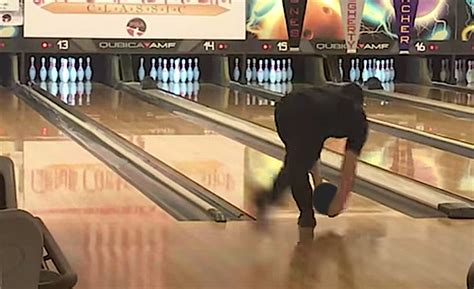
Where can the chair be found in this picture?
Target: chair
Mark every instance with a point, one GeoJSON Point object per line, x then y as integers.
{"type": "Point", "coordinates": [7, 184]}
{"type": "Point", "coordinates": [21, 250]}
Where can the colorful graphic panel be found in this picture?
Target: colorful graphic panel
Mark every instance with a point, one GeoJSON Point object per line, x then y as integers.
{"type": "Point", "coordinates": [434, 20]}
{"type": "Point", "coordinates": [466, 20]}
{"type": "Point", "coordinates": [158, 19]}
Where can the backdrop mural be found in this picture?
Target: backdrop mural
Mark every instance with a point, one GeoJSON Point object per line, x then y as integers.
{"type": "Point", "coordinates": [434, 20]}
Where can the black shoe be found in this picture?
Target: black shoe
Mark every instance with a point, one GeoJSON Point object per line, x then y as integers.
{"type": "Point", "coordinates": [261, 204]}
{"type": "Point", "coordinates": [307, 220]}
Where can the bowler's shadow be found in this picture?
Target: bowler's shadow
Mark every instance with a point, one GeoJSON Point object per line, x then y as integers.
{"type": "Point", "coordinates": [320, 260]}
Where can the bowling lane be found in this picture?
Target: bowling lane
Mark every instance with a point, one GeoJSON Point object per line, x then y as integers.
{"type": "Point", "coordinates": [435, 93]}
{"type": "Point", "coordinates": [403, 114]}
{"type": "Point", "coordinates": [226, 167]}
{"type": "Point", "coordinates": [82, 201]}
{"type": "Point", "coordinates": [419, 162]}
{"type": "Point", "coordinates": [56, 176]}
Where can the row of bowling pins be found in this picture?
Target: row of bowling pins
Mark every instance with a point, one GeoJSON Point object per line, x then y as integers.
{"type": "Point", "coordinates": [269, 70]}
{"type": "Point", "coordinates": [69, 90]}
{"type": "Point", "coordinates": [67, 71]}
{"type": "Point", "coordinates": [382, 69]}
{"type": "Point", "coordinates": [177, 71]}
{"type": "Point", "coordinates": [463, 71]}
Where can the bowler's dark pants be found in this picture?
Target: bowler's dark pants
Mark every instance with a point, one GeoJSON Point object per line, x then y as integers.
{"type": "Point", "coordinates": [303, 146]}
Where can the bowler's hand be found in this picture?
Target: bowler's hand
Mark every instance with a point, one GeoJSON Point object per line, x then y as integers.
{"type": "Point", "coordinates": [337, 204]}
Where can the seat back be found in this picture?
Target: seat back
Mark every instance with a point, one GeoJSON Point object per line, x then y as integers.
{"type": "Point", "coordinates": [8, 198]}
{"type": "Point", "coordinates": [21, 250]}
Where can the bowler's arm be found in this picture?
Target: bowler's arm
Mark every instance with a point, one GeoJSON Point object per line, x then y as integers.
{"type": "Point", "coordinates": [354, 145]}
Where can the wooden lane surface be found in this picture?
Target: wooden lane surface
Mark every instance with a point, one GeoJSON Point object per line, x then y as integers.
{"type": "Point", "coordinates": [224, 166]}
{"type": "Point", "coordinates": [115, 238]}
{"type": "Point", "coordinates": [419, 162]}
{"type": "Point", "coordinates": [436, 93]}
{"type": "Point", "coordinates": [347, 252]}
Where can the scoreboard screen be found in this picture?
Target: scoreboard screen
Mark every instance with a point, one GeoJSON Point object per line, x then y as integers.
{"type": "Point", "coordinates": [132, 19]}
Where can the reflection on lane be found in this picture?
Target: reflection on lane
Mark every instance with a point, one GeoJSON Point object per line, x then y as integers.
{"type": "Point", "coordinates": [393, 112]}
{"type": "Point", "coordinates": [425, 120]}
{"type": "Point", "coordinates": [419, 162]}
{"type": "Point", "coordinates": [66, 90]}
{"type": "Point", "coordinates": [56, 176]}
{"type": "Point", "coordinates": [220, 164]}
{"type": "Point", "coordinates": [102, 223]}
{"type": "Point", "coordinates": [440, 94]}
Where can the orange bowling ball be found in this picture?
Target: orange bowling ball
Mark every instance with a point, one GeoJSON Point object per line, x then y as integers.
{"type": "Point", "coordinates": [321, 21]}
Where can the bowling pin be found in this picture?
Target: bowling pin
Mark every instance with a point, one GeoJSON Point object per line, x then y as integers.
{"type": "Point", "coordinates": [284, 72]}
{"type": "Point", "coordinates": [377, 70]}
{"type": "Point", "coordinates": [141, 70]}
{"type": "Point", "coordinates": [153, 71]}
{"type": "Point", "coordinates": [341, 70]}
{"type": "Point", "coordinates": [374, 66]}
{"type": "Point", "coordinates": [470, 72]}
{"type": "Point", "coordinates": [383, 75]}
{"type": "Point", "coordinates": [365, 71]}
{"type": "Point", "coordinates": [254, 69]}
{"type": "Point", "coordinates": [72, 70]}
{"type": "Point", "coordinates": [392, 71]}
{"type": "Point", "coordinates": [352, 71]}
{"type": "Point", "coordinates": [43, 85]}
{"type": "Point", "coordinates": [266, 71]}
{"type": "Point", "coordinates": [159, 70]}
{"type": "Point", "coordinates": [50, 67]}
{"type": "Point", "coordinates": [248, 72]}
{"type": "Point", "coordinates": [32, 70]}
{"type": "Point", "coordinates": [190, 70]}
{"type": "Point", "coordinates": [88, 71]}
{"type": "Point", "coordinates": [54, 71]}
{"type": "Point", "coordinates": [272, 71]}
{"type": "Point", "coordinates": [443, 73]}
{"type": "Point", "coordinates": [289, 71]}
{"type": "Point", "coordinates": [171, 69]}
{"type": "Point", "coordinates": [177, 72]}
{"type": "Point", "coordinates": [165, 73]}
{"type": "Point", "coordinates": [357, 70]}
{"type": "Point", "coordinates": [278, 71]}
{"type": "Point", "coordinates": [184, 73]}
{"type": "Point", "coordinates": [457, 64]}
{"type": "Point", "coordinates": [43, 72]}
{"type": "Point", "coordinates": [260, 71]}
{"type": "Point", "coordinates": [196, 71]}
{"type": "Point", "coordinates": [369, 68]}
{"type": "Point", "coordinates": [80, 70]}
{"type": "Point", "coordinates": [64, 71]}
{"type": "Point", "coordinates": [236, 69]}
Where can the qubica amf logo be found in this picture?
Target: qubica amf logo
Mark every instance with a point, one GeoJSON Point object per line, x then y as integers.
{"type": "Point", "coordinates": [136, 27]}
